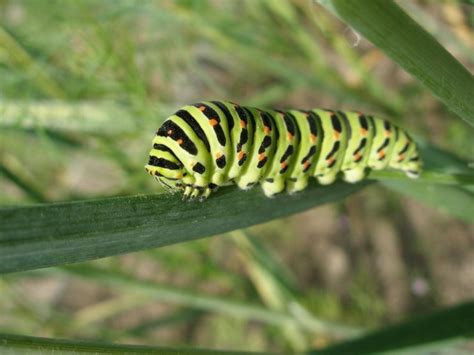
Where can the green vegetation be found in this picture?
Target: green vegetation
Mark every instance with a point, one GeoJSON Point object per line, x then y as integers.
{"type": "Point", "coordinates": [84, 86]}
{"type": "Point", "coordinates": [413, 48]}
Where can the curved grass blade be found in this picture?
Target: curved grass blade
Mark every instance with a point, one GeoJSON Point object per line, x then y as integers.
{"type": "Point", "coordinates": [13, 175]}
{"type": "Point", "coordinates": [90, 118]}
{"type": "Point", "coordinates": [439, 30]}
{"type": "Point", "coordinates": [20, 58]}
{"type": "Point", "coordinates": [447, 186]}
{"type": "Point", "coordinates": [63, 233]}
{"type": "Point", "coordinates": [280, 295]}
{"type": "Point", "coordinates": [16, 344]}
{"type": "Point", "coordinates": [232, 308]}
{"type": "Point", "coordinates": [452, 200]}
{"type": "Point", "coordinates": [434, 329]}
{"type": "Point", "coordinates": [388, 27]}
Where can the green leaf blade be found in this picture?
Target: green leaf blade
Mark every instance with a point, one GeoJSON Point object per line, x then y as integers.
{"type": "Point", "coordinates": [389, 28]}
{"type": "Point", "coordinates": [63, 233]}
{"type": "Point", "coordinates": [438, 327]}
{"type": "Point", "coordinates": [19, 344]}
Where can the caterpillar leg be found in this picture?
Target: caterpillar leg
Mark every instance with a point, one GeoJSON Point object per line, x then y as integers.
{"type": "Point", "coordinates": [327, 179]}
{"type": "Point", "coordinates": [196, 192]}
{"type": "Point", "coordinates": [406, 158]}
{"type": "Point", "coordinates": [190, 193]}
{"type": "Point", "coordinates": [412, 174]}
{"type": "Point", "coordinates": [245, 183]}
{"type": "Point", "coordinates": [412, 169]}
{"type": "Point", "coordinates": [187, 192]}
{"type": "Point", "coordinates": [205, 194]}
{"type": "Point", "coordinates": [271, 187]}
{"type": "Point", "coordinates": [297, 185]}
{"type": "Point", "coordinates": [354, 175]}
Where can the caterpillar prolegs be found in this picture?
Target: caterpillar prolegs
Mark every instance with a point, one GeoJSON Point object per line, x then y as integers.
{"type": "Point", "coordinates": [210, 144]}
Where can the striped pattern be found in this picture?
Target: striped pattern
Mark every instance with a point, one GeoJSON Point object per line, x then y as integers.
{"type": "Point", "coordinates": [210, 144]}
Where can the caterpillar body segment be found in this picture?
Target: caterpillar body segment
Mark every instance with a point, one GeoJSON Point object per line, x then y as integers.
{"type": "Point", "coordinates": [359, 142]}
{"type": "Point", "coordinates": [211, 144]}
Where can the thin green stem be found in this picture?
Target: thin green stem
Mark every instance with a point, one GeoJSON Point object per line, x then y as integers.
{"type": "Point", "coordinates": [203, 302]}
{"type": "Point", "coordinates": [15, 344]}
{"type": "Point", "coordinates": [432, 177]}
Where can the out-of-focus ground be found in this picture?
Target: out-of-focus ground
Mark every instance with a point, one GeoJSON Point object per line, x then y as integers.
{"type": "Point", "coordinates": [86, 83]}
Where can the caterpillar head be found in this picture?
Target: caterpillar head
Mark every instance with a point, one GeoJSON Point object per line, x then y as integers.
{"type": "Point", "coordinates": [166, 168]}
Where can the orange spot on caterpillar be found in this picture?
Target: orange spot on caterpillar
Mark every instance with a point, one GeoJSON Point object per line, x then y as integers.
{"type": "Point", "coordinates": [313, 138]}
{"type": "Point", "coordinates": [381, 154]}
{"type": "Point", "coordinates": [283, 165]}
{"type": "Point", "coordinates": [330, 161]}
{"type": "Point", "coordinates": [388, 133]}
{"type": "Point", "coordinates": [179, 141]}
{"type": "Point", "coordinates": [261, 156]}
{"type": "Point", "coordinates": [213, 122]}
{"type": "Point", "coordinates": [202, 108]}
{"type": "Point", "coordinates": [243, 124]}
{"type": "Point", "coordinates": [336, 135]}
{"type": "Point", "coordinates": [401, 157]}
{"type": "Point", "coordinates": [241, 155]}
{"type": "Point", "coordinates": [266, 129]}
{"type": "Point", "coordinates": [219, 154]}
{"type": "Point", "coordinates": [363, 131]}
{"type": "Point", "coordinates": [170, 132]}
{"type": "Point", "coordinates": [290, 136]}
{"type": "Point", "coordinates": [357, 157]}
{"type": "Point", "coordinates": [306, 164]}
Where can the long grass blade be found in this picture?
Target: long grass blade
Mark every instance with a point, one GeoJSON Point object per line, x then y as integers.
{"type": "Point", "coordinates": [63, 233]}
{"type": "Point", "coordinates": [19, 344]}
{"type": "Point", "coordinates": [19, 57]}
{"type": "Point", "coordinates": [191, 299]}
{"type": "Point", "coordinates": [388, 27]}
{"type": "Point", "coordinates": [433, 329]}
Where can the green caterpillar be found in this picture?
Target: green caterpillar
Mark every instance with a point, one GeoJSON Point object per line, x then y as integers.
{"type": "Point", "coordinates": [210, 144]}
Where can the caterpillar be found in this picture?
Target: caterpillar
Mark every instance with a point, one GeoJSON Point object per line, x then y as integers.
{"type": "Point", "coordinates": [214, 143]}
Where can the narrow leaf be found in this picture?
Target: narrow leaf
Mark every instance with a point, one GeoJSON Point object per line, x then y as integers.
{"type": "Point", "coordinates": [16, 344]}
{"type": "Point", "coordinates": [192, 299]}
{"type": "Point", "coordinates": [388, 27]}
{"type": "Point", "coordinates": [452, 200]}
{"type": "Point", "coordinates": [452, 323]}
{"type": "Point", "coordinates": [83, 117]}
{"type": "Point", "coordinates": [62, 233]}
{"type": "Point", "coordinates": [445, 186]}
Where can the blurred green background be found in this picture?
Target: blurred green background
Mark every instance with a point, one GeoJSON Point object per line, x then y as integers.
{"type": "Point", "coordinates": [85, 84]}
